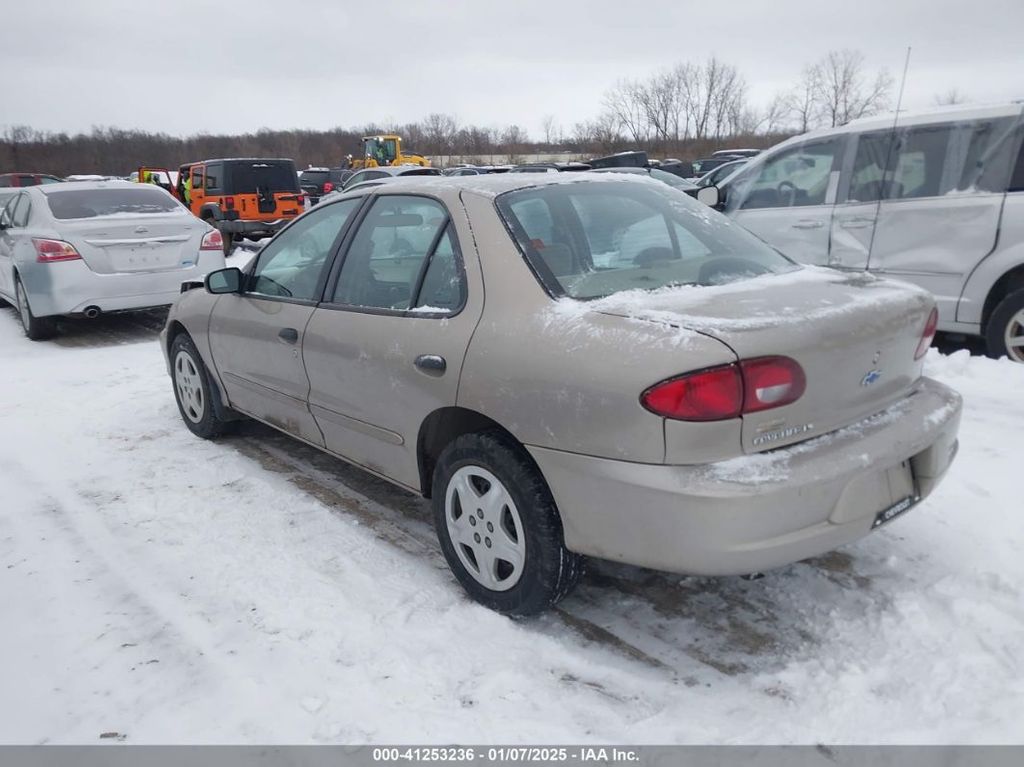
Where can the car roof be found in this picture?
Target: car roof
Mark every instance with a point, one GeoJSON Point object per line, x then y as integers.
{"type": "Point", "coordinates": [243, 159]}
{"type": "Point", "coordinates": [82, 185]}
{"type": "Point", "coordinates": [924, 117]}
{"type": "Point", "coordinates": [493, 184]}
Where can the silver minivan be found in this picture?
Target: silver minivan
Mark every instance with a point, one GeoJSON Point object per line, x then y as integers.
{"type": "Point", "coordinates": [934, 198]}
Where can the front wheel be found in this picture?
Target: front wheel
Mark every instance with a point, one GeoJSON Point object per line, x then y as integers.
{"type": "Point", "coordinates": [193, 390]}
{"type": "Point", "coordinates": [36, 328]}
{"type": "Point", "coordinates": [499, 528]}
{"type": "Point", "coordinates": [1005, 333]}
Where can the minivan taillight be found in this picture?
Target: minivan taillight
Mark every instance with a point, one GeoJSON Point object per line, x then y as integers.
{"type": "Point", "coordinates": [51, 251]}
{"type": "Point", "coordinates": [212, 241]}
{"type": "Point", "coordinates": [928, 335]}
{"type": "Point", "coordinates": [328, 187]}
{"type": "Point", "coordinates": [728, 391]}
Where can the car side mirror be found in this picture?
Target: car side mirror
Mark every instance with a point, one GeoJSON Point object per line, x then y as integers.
{"type": "Point", "coordinates": [709, 195]}
{"type": "Point", "coordinates": [224, 281]}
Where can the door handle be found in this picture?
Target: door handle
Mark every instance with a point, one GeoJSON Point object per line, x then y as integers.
{"type": "Point", "coordinates": [431, 364]}
{"type": "Point", "coordinates": [857, 223]}
{"type": "Point", "coordinates": [808, 224]}
{"type": "Point", "coordinates": [288, 335]}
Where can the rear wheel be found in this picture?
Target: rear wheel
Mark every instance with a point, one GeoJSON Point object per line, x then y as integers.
{"type": "Point", "coordinates": [1005, 333]}
{"type": "Point", "coordinates": [193, 390]}
{"type": "Point", "coordinates": [36, 328]}
{"type": "Point", "coordinates": [499, 528]}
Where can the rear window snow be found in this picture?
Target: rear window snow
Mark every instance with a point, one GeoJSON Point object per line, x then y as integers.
{"type": "Point", "coordinates": [91, 203]}
{"type": "Point", "coordinates": [589, 240]}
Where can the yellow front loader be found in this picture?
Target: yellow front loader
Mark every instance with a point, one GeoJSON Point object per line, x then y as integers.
{"type": "Point", "coordinates": [386, 150]}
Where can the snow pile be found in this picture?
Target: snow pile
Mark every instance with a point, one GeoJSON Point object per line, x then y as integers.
{"type": "Point", "coordinates": [252, 590]}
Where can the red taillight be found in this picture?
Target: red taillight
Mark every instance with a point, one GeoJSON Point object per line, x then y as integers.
{"type": "Point", "coordinates": [328, 187]}
{"type": "Point", "coordinates": [929, 334]}
{"type": "Point", "coordinates": [707, 395]}
{"type": "Point", "coordinates": [51, 251]}
{"type": "Point", "coordinates": [212, 241]}
{"type": "Point", "coordinates": [728, 391]}
{"type": "Point", "coordinates": [771, 382]}
{"type": "Point", "coordinates": [229, 202]}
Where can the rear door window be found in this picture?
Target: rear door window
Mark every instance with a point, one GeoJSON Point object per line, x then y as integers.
{"type": "Point", "coordinates": [214, 177]}
{"type": "Point", "coordinates": [20, 211]}
{"type": "Point", "coordinates": [391, 254]}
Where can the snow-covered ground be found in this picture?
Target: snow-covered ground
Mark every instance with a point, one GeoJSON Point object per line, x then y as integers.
{"type": "Point", "coordinates": [253, 590]}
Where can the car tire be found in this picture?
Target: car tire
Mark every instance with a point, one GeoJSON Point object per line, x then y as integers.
{"type": "Point", "coordinates": [1006, 322]}
{"type": "Point", "coordinates": [193, 390]}
{"type": "Point", "coordinates": [36, 328]}
{"type": "Point", "coordinates": [505, 546]}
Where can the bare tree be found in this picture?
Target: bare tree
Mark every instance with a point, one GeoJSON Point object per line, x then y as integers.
{"type": "Point", "coordinates": [626, 103]}
{"type": "Point", "coordinates": [950, 97]}
{"type": "Point", "coordinates": [776, 115]}
{"type": "Point", "coordinates": [513, 141]}
{"type": "Point", "coordinates": [802, 102]}
{"type": "Point", "coordinates": [439, 132]}
{"type": "Point", "coordinates": [844, 92]}
{"type": "Point", "coordinates": [552, 131]}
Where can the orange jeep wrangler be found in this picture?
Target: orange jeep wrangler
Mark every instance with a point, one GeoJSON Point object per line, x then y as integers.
{"type": "Point", "coordinates": [242, 197]}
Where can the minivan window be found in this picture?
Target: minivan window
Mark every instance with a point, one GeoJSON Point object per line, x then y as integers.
{"type": "Point", "coordinates": [794, 178]}
{"type": "Point", "coordinates": [598, 239]}
{"type": "Point", "coordinates": [869, 166]}
{"type": "Point", "coordinates": [1017, 180]}
{"type": "Point", "coordinates": [89, 203]}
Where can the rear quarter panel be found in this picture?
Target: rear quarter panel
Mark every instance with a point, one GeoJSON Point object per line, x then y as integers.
{"type": "Point", "coordinates": [558, 375]}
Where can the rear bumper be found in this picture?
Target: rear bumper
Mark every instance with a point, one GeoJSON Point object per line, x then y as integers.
{"type": "Point", "coordinates": [71, 287]}
{"type": "Point", "coordinates": [760, 511]}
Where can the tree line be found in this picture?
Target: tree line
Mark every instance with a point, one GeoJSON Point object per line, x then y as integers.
{"type": "Point", "coordinates": [682, 111]}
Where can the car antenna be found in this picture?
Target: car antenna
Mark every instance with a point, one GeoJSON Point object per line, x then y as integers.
{"type": "Point", "coordinates": [889, 154]}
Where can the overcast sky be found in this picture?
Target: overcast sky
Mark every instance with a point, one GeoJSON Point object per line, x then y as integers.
{"type": "Point", "coordinates": [183, 66]}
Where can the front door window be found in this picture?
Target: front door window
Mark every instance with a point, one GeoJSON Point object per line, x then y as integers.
{"type": "Point", "coordinates": [292, 264]}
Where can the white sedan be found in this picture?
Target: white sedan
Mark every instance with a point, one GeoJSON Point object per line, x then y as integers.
{"type": "Point", "coordinates": [87, 248]}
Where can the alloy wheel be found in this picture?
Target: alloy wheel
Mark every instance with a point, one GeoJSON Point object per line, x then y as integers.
{"type": "Point", "coordinates": [190, 387]}
{"type": "Point", "coordinates": [1013, 336]}
{"type": "Point", "coordinates": [485, 528]}
{"type": "Point", "coordinates": [23, 310]}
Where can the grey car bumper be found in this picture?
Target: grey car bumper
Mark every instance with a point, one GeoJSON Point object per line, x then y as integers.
{"type": "Point", "coordinates": [760, 511]}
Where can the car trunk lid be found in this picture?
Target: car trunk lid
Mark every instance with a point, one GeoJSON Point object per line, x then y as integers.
{"type": "Point", "coordinates": [854, 335]}
{"type": "Point", "coordinates": [134, 243]}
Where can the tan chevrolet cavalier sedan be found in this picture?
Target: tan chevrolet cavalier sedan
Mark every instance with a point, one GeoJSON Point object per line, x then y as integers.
{"type": "Point", "coordinates": [576, 367]}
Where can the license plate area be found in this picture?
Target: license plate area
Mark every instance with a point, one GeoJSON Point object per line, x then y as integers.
{"type": "Point", "coordinates": [898, 509]}
{"type": "Point", "coordinates": [155, 257]}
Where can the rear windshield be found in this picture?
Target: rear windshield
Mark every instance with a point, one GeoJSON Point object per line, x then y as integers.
{"type": "Point", "coordinates": [593, 239]}
{"type": "Point", "coordinates": [251, 177]}
{"type": "Point", "coordinates": [89, 203]}
{"type": "Point", "coordinates": [314, 176]}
